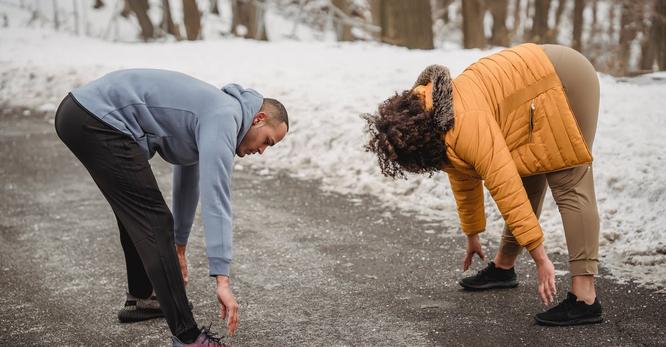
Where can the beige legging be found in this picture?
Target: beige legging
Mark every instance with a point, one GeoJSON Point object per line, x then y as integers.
{"type": "Point", "coordinates": [573, 189]}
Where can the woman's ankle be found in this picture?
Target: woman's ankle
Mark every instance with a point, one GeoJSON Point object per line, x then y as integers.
{"type": "Point", "coordinates": [504, 262]}
{"type": "Point", "coordinates": [583, 288]}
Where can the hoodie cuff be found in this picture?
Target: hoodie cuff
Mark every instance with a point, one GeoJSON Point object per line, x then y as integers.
{"type": "Point", "coordinates": [181, 235]}
{"type": "Point", "coordinates": [218, 266]}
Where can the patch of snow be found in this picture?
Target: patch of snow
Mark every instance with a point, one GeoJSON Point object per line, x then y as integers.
{"type": "Point", "coordinates": [327, 85]}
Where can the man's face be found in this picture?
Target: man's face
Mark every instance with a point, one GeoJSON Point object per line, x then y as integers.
{"type": "Point", "coordinates": [262, 134]}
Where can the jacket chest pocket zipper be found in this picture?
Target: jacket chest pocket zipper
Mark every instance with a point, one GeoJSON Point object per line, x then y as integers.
{"type": "Point", "coordinates": [531, 128]}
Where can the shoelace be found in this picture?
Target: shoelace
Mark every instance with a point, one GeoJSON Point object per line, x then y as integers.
{"type": "Point", "coordinates": [566, 305]}
{"type": "Point", "coordinates": [484, 272]}
{"type": "Point", "coordinates": [210, 337]}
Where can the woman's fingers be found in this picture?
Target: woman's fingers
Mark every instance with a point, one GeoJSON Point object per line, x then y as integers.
{"type": "Point", "coordinates": [547, 289]}
{"type": "Point", "coordinates": [468, 261]}
{"type": "Point", "coordinates": [480, 253]}
{"type": "Point", "coordinates": [553, 286]}
{"type": "Point", "coordinates": [542, 295]}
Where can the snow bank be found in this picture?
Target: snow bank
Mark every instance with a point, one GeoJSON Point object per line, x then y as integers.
{"type": "Point", "coordinates": [325, 87]}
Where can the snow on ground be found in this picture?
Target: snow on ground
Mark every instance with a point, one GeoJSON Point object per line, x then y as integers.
{"type": "Point", "coordinates": [326, 86]}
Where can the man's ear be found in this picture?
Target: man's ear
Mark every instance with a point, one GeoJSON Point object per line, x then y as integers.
{"type": "Point", "coordinates": [259, 117]}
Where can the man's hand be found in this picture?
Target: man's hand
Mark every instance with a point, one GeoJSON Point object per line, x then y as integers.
{"type": "Point", "coordinates": [228, 305]}
{"type": "Point", "coordinates": [473, 247]}
{"type": "Point", "coordinates": [180, 250]}
{"type": "Point", "coordinates": [546, 275]}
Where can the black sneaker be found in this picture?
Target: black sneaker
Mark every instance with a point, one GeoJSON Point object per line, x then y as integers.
{"type": "Point", "coordinates": [137, 310]}
{"type": "Point", "coordinates": [205, 339]}
{"type": "Point", "coordinates": [489, 278]}
{"type": "Point", "coordinates": [571, 312]}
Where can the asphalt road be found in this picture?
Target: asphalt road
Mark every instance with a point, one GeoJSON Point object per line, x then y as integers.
{"type": "Point", "coordinates": [311, 268]}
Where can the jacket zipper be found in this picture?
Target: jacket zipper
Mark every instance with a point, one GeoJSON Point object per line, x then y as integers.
{"type": "Point", "coordinates": [532, 109]}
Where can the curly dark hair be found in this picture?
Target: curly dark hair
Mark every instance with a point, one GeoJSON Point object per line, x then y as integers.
{"type": "Point", "coordinates": [405, 137]}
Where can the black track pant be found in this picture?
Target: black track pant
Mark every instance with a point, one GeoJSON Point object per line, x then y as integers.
{"type": "Point", "coordinates": [122, 172]}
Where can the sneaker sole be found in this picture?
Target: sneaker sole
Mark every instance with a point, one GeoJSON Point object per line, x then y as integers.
{"type": "Point", "coordinates": [133, 316]}
{"type": "Point", "coordinates": [593, 320]}
{"type": "Point", "coordinates": [489, 285]}
{"type": "Point", "coordinates": [140, 315]}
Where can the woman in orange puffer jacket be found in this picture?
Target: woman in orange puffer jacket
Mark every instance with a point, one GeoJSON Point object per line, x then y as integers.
{"type": "Point", "coordinates": [516, 121]}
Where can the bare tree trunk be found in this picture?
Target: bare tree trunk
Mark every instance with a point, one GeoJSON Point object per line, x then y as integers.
{"type": "Point", "coordinates": [75, 8]}
{"type": "Point", "coordinates": [629, 21]}
{"type": "Point", "coordinates": [343, 30]}
{"type": "Point", "coordinates": [140, 9]}
{"type": "Point", "coordinates": [516, 19]}
{"type": "Point", "coordinates": [56, 20]}
{"type": "Point", "coordinates": [576, 42]}
{"type": "Point", "coordinates": [555, 31]}
{"type": "Point", "coordinates": [499, 10]}
{"type": "Point", "coordinates": [376, 16]}
{"type": "Point", "coordinates": [562, 4]}
{"type": "Point", "coordinates": [191, 19]}
{"type": "Point", "coordinates": [247, 14]}
{"type": "Point", "coordinates": [441, 10]}
{"type": "Point", "coordinates": [527, 33]}
{"type": "Point", "coordinates": [611, 20]}
{"type": "Point", "coordinates": [473, 35]}
{"type": "Point", "coordinates": [540, 21]}
{"type": "Point", "coordinates": [167, 21]}
{"type": "Point", "coordinates": [648, 46]}
{"type": "Point", "coordinates": [127, 10]}
{"type": "Point", "coordinates": [214, 7]}
{"type": "Point", "coordinates": [660, 33]}
{"type": "Point", "coordinates": [406, 23]}
{"type": "Point", "coordinates": [595, 16]}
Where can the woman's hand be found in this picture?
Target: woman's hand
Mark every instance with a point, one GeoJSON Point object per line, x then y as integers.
{"type": "Point", "coordinates": [182, 260]}
{"type": "Point", "coordinates": [546, 275]}
{"type": "Point", "coordinates": [228, 304]}
{"type": "Point", "coordinates": [473, 247]}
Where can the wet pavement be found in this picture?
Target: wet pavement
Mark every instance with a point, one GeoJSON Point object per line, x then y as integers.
{"type": "Point", "coordinates": [311, 268]}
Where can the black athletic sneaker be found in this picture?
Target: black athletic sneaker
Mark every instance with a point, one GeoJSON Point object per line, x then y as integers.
{"type": "Point", "coordinates": [205, 339]}
{"type": "Point", "coordinates": [571, 312]}
{"type": "Point", "coordinates": [489, 278]}
{"type": "Point", "coordinates": [137, 310]}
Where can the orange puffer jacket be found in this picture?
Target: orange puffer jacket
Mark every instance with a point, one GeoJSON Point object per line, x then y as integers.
{"type": "Point", "coordinates": [509, 118]}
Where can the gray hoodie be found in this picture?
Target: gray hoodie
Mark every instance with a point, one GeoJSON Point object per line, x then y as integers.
{"type": "Point", "coordinates": [191, 124]}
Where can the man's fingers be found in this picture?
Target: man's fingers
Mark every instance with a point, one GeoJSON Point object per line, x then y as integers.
{"type": "Point", "coordinates": [233, 319]}
{"type": "Point", "coordinates": [467, 262]}
{"type": "Point", "coordinates": [483, 257]}
{"type": "Point", "coordinates": [223, 312]}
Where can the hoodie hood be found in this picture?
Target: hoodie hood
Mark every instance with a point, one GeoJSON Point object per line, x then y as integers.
{"type": "Point", "coordinates": [250, 102]}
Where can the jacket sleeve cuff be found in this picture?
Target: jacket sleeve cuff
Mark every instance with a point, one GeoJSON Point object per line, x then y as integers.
{"type": "Point", "coordinates": [474, 228]}
{"type": "Point", "coordinates": [534, 244]}
{"type": "Point", "coordinates": [218, 266]}
{"type": "Point", "coordinates": [474, 232]}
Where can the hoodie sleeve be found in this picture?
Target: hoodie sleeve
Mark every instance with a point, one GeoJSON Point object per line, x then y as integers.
{"type": "Point", "coordinates": [185, 200]}
{"type": "Point", "coordinates": [217, 147]}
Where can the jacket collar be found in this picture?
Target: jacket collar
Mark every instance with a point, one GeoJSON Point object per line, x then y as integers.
{"type": "Point", "coordinates": [442, 94]}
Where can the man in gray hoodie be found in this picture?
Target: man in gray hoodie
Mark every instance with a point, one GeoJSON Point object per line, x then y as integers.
{"type": "Point", "coordinates": [115, 124]}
